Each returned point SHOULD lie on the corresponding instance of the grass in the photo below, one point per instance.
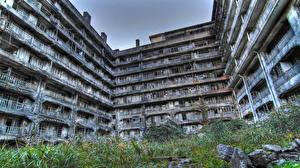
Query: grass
(289, 165)
(281, 129)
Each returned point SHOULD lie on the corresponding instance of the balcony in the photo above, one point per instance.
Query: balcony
(259, 28)
(228, 115)
(245, 24)
(189, 121)
(245, 109)
(236, 20)
(86, 122)
(129, 126)
(188, 81)
(8, 131)
(171, 96)
(15, 82)
(103, 126)
(36, 7)
(10, 106)
(254, 78)
(35, 4)
(42, 48)
(241, 93)
(229, 16)
(57, 98)
(51, 136)
(288, 80)
(168, 74)
(166, 62)
(128, 115)
(262, 97)
(56, 115)
(93, 110)
(285, 45)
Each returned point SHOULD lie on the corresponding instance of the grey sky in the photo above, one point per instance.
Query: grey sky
(126, 20)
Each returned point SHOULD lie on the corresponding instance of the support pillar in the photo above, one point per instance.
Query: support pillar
(250, 99)
(269, 80)
(294, 20)
(38, 96)
(144, 121)
(237, 104)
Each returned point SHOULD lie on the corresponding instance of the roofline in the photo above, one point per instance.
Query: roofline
(181, 29)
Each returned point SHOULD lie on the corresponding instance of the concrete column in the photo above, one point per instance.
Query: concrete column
(144, 120)
(294, 20)
(9, 71)
(237, 104)
(74, 109)
(38, 96)
(269, 80)
(71, 131)
(250, 99)
(34, 129)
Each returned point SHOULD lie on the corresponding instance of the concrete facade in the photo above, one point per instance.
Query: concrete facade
(260, 44)
(56, 73)
(169, 79)
(59, 80)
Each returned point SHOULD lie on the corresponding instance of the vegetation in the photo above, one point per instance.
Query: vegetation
(289, 165)
(280, 129)
(165, 132)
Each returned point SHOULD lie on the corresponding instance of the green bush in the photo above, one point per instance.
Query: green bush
(289, 165)
(165, 132)
(281, 128)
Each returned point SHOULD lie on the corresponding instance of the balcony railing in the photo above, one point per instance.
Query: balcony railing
(14, 106)
(130, 126)
(170, 74)
(261, 95)
(169, 84)
(235, 20)
(283, 46)
(58, 115)
(35, 4)
(263, 20)
(13, 131)
(38, 45)
(172, 95)
(254, 78)
(244, 108)
(169, 62)
(51, 135)
(4, 77)
(86, 122)
(287, 76)
(241, 93)
(65, 99)
(244, 26)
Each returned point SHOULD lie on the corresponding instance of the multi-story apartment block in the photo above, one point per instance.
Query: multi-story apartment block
(168, 78)
(260, 40)
(56, 73)
(60, 80)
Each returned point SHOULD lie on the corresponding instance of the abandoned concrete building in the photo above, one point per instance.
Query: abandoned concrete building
(56, 72)
(166, 79)
(59, 79)
(260, 43)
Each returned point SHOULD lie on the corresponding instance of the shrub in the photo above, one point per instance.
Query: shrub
(289, 165)
(166, 140)
(165, 132)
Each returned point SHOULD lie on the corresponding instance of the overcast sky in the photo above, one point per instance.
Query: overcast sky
(126, 20)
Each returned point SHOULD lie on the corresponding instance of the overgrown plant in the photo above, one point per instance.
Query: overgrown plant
(281, 128)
